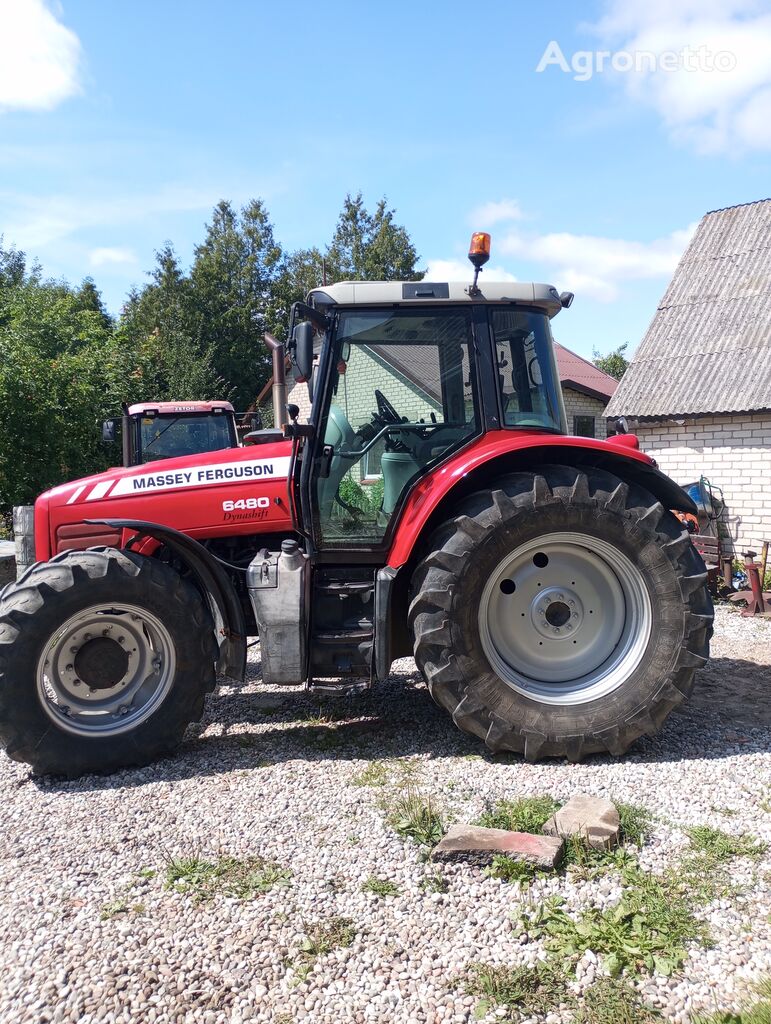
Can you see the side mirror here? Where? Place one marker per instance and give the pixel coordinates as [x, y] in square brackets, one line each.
[108, 430]
[303, 350]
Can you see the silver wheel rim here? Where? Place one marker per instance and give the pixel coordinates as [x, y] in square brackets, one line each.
[565, 619]
[106, 670]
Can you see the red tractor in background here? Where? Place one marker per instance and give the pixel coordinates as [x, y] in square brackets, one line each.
[165, 430]
[432, 505]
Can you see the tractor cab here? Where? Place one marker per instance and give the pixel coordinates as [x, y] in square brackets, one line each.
[152, 431]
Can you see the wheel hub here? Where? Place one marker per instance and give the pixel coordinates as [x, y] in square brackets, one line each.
[565, 618]
[556, 612]
[101, 663]
[105, 670]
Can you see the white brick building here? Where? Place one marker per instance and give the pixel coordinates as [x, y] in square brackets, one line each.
[698, 392]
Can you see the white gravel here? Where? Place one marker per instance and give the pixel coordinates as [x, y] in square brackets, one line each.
[259, 779]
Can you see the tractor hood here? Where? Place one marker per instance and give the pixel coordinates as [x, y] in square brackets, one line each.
[232, 490]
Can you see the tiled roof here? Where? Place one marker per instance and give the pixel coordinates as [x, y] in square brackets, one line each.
[581, 375]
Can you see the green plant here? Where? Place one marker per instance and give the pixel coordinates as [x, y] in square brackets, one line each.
[324, 936]
[413, 816]
[613, 1001]
[380, 886]
[648, 929]
[119, 906]
[435, 882]
[509, 870]
[227, 876]
[636, 823]
[528, 814]
[375, 774]
[720, 846]
[530, 990]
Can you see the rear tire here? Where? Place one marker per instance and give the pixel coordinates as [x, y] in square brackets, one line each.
[105, 658]
[581, 656]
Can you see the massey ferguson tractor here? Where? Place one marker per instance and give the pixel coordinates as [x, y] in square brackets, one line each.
[432, 505]
[163, 430]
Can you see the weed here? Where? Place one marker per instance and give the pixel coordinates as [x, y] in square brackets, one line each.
[228, 876]
[527, 992]
[375, 774]
[648, 929]
[434, 883]
[324, 936]
[719, 846]
[380, 886]
[636, 823]
[528, 814]
[113, 909]
[510, 870]
[413, 816]
[613, 1001]
[353, 839]
[531, 990]
[146, 873]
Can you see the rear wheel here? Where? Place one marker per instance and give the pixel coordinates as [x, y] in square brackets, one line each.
[105, 658]
[564, 613]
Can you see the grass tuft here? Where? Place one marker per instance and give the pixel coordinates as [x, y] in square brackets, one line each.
[375, 774]
[758, 1012]
[720, 846]
[636, 823]
[509, 870]
[413, 816]
[324, 936]
[227, 876]
[380, 886]
[528, 814]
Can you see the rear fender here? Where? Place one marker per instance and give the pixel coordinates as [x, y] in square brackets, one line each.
[213, 581]
[479, 465]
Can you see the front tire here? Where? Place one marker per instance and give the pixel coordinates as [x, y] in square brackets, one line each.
[105, 658]
[562, 614]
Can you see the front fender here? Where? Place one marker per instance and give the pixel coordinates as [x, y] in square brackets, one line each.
[502, 451]
[213, 581]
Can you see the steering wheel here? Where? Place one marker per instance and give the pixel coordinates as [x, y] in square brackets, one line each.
[385, 410]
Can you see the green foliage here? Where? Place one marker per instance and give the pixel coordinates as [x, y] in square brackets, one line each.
[509, 870]
[720, 846]
[413, 816]
[227, 876]
[636, 823]
[528, 814]
[375, 774]
[647, 930]
[370, 246]
[380, 886]
[614, 363]
[324, 936]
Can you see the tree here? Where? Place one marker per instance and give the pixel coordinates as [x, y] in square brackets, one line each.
[370, 247]
[235, 295]
[614, 363]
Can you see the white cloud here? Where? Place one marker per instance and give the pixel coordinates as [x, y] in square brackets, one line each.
[458, 270]
[39, 57]
[37, 221]
[594, 266]
[488, 214]
[111, 257]
[710, 109]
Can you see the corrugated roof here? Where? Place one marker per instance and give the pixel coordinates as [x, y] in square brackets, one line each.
[708, 348]
[581, 375]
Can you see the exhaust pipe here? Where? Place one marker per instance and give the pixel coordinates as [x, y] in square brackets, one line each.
[280, 417]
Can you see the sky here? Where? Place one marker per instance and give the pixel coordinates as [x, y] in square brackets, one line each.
[588, 139]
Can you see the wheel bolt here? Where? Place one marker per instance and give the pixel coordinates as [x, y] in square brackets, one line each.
[86, 636]
[76, 682]
[121, 640]
[68, 668]
[123, 709]
[572, 604]
[64, 709]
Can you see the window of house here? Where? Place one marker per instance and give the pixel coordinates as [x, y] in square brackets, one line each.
[583, 426]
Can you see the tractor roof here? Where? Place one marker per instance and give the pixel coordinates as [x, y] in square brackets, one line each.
[407, 293]
[161, 408]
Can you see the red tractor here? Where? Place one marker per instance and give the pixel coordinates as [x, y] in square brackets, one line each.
[432, 505]
[165, 430]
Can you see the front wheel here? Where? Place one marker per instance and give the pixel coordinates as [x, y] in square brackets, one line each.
[105, 658]
[562, 614]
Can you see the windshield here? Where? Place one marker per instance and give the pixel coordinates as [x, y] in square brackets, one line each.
[526, 369]
[168, 437]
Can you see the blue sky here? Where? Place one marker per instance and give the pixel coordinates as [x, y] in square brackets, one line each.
[122, 124]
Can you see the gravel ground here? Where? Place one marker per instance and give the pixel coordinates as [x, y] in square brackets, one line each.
[89, 934]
